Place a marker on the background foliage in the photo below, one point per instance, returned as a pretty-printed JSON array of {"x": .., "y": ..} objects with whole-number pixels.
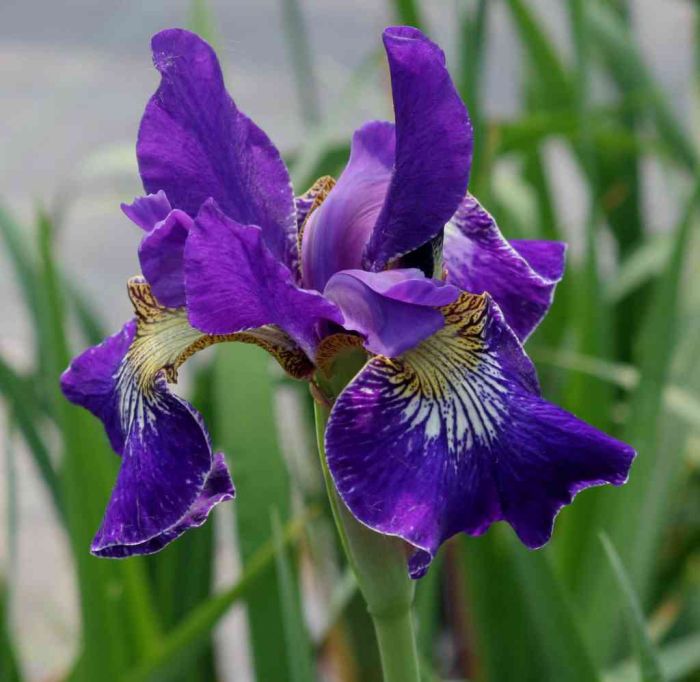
[{"x": 614, "y": 597}]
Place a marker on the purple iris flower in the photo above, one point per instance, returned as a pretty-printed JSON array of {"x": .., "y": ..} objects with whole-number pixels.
[{"x": 443, "y": 430}]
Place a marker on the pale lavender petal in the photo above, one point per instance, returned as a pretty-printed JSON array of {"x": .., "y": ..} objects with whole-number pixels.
[
  {"x": 194, "y": 144},
  {"x": 161, "y": 256},
  {"x": 453, "y": 436},
  {"x": 433, "y": 149},
  {"x": 336, "y": 233},
  {"x": 394, "y": 310},
  {"x": 235, "y": 283},
  {"x": 520, "y": 276},
  {"x": 147, "y": 211}
]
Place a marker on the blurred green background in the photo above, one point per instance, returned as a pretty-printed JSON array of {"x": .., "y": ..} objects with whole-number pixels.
[{"x": 586, "y": 118}]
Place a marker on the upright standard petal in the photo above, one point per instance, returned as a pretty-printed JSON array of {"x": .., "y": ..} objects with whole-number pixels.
[
  {"x": 520, "y": 276},
  {"x": 335, "y": 233},
  {"x": 235, "y": 283},
  {"x": 394, "y": 310},
  {"x": 452, "y": 436},
  {"x": 194, "y": 144},
  {"x": 433, "y": 149}
]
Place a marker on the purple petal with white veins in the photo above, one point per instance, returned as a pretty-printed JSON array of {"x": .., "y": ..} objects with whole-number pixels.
[
  {"x": 169, "y": 479},
  {"x": 520, "y": 276},
  {"x": 433, "y": 148},
  {"x": 161, "y": 490},
  {"x": 394, "y": 310},
  {"x": 234, "y": 283},
  {"x": 161, "y": 255},
  {"x": 453, "y": 435},
  {"x": 194, "y": 144},
  {"x": 147, "y": 211},
  {"x": 336, "y": 233}
]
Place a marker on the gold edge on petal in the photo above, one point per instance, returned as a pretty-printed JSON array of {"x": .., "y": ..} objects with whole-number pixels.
[{"x": 317, "y": 194}]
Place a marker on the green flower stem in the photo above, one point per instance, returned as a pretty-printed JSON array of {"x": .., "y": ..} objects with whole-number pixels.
[{"x": 379, "y": 563}]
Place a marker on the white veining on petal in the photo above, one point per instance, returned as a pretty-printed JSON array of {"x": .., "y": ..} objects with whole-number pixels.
[
  {"x": 164, "y": 340},
  {"x": 449, "y": 386}
]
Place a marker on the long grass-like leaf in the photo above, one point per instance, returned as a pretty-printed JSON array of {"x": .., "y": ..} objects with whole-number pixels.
[
  {"x": 634, "y": 515},
  {"x": 182, "y": 574},
  {"x": 302, "y": 62},
  {"x": 623, "y": 57},
  {"x": 117, "y": 617},
  {"x": 647, "y": 656},
  {"x": 499, "y": 611},
  {"x": 679, "y": 659},
  {"x": 187, "y": 639},
  {"x": 409, "y": 12},
  {"x": 9, "y": 661},
  {"x": 553, "y": 83},
  {"x": 201, "y": 20},
  {"x": 641, "y": 266},
  {"x": 471, "y": 70},
  {"x": 16, "y": 246},
  {"x": 678, "y": 400},
  {"x": 343, "y": 593},
  {"x": 300, "y": 663},
  {"x": 427, "y": 609},
  {"x": 246, "y": 423},
  {"x": 89, "y": 322},
  {"x": 553, "y": 618},
  {"x": 23, "y": 403}
]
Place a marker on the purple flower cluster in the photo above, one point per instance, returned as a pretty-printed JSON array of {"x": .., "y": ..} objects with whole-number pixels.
[{"x": 443, "y": 429}]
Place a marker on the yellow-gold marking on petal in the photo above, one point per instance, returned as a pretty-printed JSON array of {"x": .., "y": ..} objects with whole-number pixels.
[
  {"x": 332, "y": 346},
  {"x": 164, "y": 339},
  {"x": 316, "y": 194},
  {"x": 450, "y": 384},
  {"x": 290, "y": 357}
]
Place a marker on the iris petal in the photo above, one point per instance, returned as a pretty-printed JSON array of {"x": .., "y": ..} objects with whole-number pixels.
[
  {"x": 147, "y": 211},
  {"x": 235, "y": 283},
  {"x": 433, "y": 149},
  {"x": 194, "y": 143},
  {"x": 336, "y": 233},
  {"x": 394, "y": 310},
  {"x": 453, "y": 435},
  {"x": 169, "y": 479},
  {"x": 520, "y": 276},
  {"x": 161, "y": 255},
  {"x": 161, "y": 490},
  {"x": 217, "y": 488}
]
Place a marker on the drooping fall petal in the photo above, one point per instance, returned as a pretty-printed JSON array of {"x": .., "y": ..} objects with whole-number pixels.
[{"x": 453, "y": 435}]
